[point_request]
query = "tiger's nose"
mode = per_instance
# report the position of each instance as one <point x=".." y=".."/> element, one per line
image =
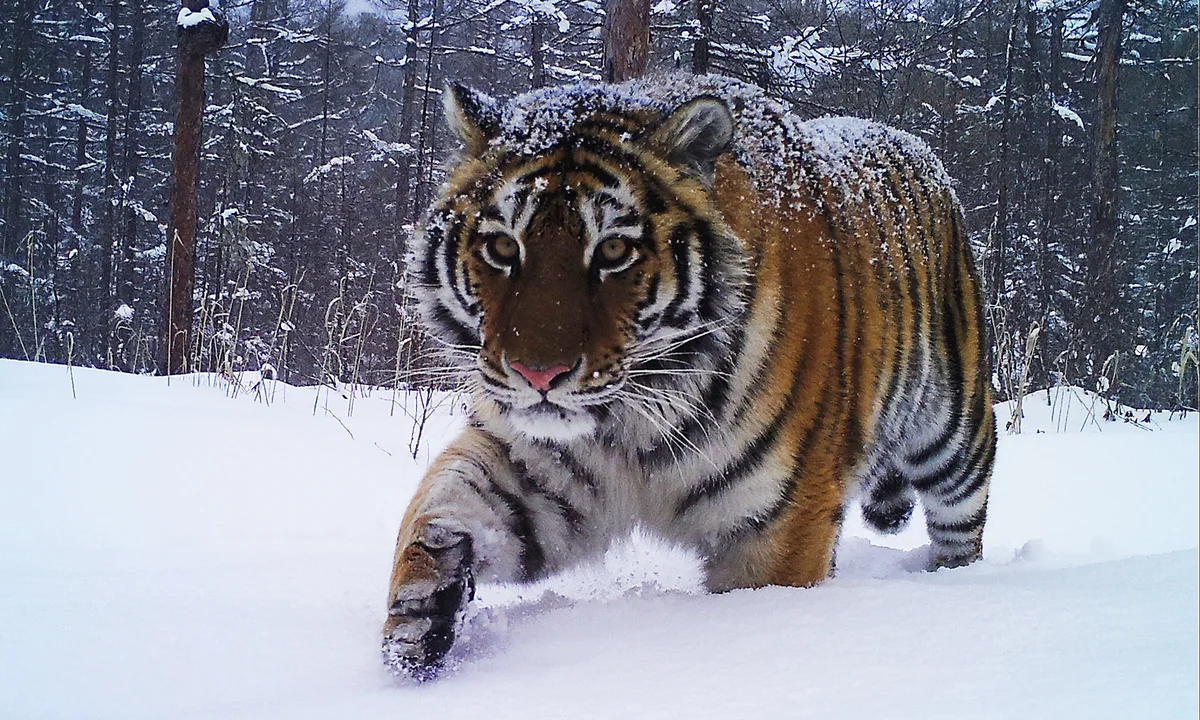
<point x="540" y="377"/>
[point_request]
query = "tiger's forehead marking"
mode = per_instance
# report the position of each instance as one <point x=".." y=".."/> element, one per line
<point x="604" y="209"/>
<point x="609" y="212"/>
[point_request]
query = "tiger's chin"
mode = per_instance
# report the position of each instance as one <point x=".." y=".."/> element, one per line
<point x="551" y="422"/>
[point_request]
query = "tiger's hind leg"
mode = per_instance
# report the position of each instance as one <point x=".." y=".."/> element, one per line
<point x="954" y="498"/>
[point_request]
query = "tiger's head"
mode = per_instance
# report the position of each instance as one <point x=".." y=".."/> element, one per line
<point x="591" y="279"/>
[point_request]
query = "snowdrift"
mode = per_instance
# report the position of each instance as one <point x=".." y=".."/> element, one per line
<point x="170" y="551"/>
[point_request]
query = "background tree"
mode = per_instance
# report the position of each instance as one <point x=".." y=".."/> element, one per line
<point x="626" y="39"/>
<point x="202" y="31"/>
<point x="322" y="146"/>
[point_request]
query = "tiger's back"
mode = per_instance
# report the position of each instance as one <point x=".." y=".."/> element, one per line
<point x="691" y="312"/>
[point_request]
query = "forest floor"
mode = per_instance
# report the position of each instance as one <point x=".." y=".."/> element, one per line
<point x="167" y="551"/>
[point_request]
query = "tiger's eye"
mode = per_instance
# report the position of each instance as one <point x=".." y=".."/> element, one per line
<point x="503" y="248"/>
<point x="613" y="250"/>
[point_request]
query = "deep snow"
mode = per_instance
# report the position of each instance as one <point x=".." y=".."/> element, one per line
<point x="169" y="552"/>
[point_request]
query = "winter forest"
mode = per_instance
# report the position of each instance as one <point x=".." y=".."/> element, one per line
<point x="1069" y="126"/>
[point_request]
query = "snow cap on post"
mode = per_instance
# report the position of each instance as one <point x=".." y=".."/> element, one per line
<point x="695" y="135"/>
<point x="472" y="116"/>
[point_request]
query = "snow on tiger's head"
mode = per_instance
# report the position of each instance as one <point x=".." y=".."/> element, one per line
<point x="575" y="255"/>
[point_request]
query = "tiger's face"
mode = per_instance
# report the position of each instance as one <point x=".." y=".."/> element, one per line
<point x="584" y="276"/>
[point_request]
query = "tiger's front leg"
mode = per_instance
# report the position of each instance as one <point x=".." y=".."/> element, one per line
<point x="479" y="513"/>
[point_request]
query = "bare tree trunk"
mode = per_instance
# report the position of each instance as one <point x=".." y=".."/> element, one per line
<point x="537" y="51"/>
<point x="1102" y="332"/>
<point x="14" y="225"/>
<point x="51" y="180"/>
<point x="424" y="173"/>
<point x="948" y="134"/>
<point x="407" y="109"/>
<point x="1049" y="218"/>
<point x="129" y="169"/>
<point x="626" y="34"/>
<point x="81" y="138"/>
<point x="110" y="169"/>
<point x="195" y="42"/>
<point x="704" y="26"/>
<point x="326" y="81"/>
<point x="999" y="239"/>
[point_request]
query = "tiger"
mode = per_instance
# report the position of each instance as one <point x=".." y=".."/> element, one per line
<point x="685" y="310"/>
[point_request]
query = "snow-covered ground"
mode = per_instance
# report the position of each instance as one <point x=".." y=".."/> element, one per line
<point x="167" y="551"/>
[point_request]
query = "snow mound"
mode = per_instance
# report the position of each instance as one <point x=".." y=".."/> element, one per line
<point x="205" y="549"/>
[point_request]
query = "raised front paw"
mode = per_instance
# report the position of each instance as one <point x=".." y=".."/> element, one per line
<point x="431" y="587"/>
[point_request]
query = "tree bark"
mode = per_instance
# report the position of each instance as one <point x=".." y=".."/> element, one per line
<point x="14" y="224"/>
<point x="999" y="238"/>
<point x="626" y="34"/>
<point x="195" y="42"/>
<point x="407" y="109"/>
<point x="132" y="156"/>
<point x="704" y="26"/>
<point x="1100" y="323"/>
<point x="424" y="174"/>
<point x="1049" y="218"/>
<point x="537" y="52"/>
<point x="81" y="139"/>
<point x="110" y="167"/>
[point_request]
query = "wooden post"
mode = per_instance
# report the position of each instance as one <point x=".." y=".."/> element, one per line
<point x="201" y="30"/>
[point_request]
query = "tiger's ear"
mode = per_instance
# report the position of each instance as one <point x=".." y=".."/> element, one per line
<point x="695" y="135"/>
<point x="472" y="116"/>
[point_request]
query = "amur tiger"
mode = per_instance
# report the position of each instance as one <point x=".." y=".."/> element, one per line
<point x="686" y="310"/>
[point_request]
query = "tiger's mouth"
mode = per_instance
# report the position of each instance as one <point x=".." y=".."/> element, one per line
<point x="547" y="420"/>
<point x="569" y="405"/>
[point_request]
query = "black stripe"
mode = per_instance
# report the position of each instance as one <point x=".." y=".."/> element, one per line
<point x="971" y="524"/>
<point x="706" y="238"/>
<point x="918" y="315"/>
<point x="852" y="380"/>
<point x="679" y="244"/>
<point x="450" y="259"/>
<point x="653" y="198"/>
<point x="760" y="522"/>
<point x="898" y="378"/>
<point x="888" y="278"/>
<point x="715" y="396"/>
<point x="572" y="164"/>
<point x="651" y="297"/>
<point x="489" y="380"/>
<point x="758" y="448"/>
<point x="953" y="338"/>
<point x="578" y="470"/>
<point x="435" y="237"/>
<point x="750" y="459"/>
<point x="655" y="191"/>
<point x="448" y="324"/>
<point x="979" y="472"/>
<point x="531" y="483"/>
<point x="533" y="558"/>
<point x="950" y="478"/>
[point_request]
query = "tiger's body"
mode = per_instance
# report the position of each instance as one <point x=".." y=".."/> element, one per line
<point x="691" y="313"/>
